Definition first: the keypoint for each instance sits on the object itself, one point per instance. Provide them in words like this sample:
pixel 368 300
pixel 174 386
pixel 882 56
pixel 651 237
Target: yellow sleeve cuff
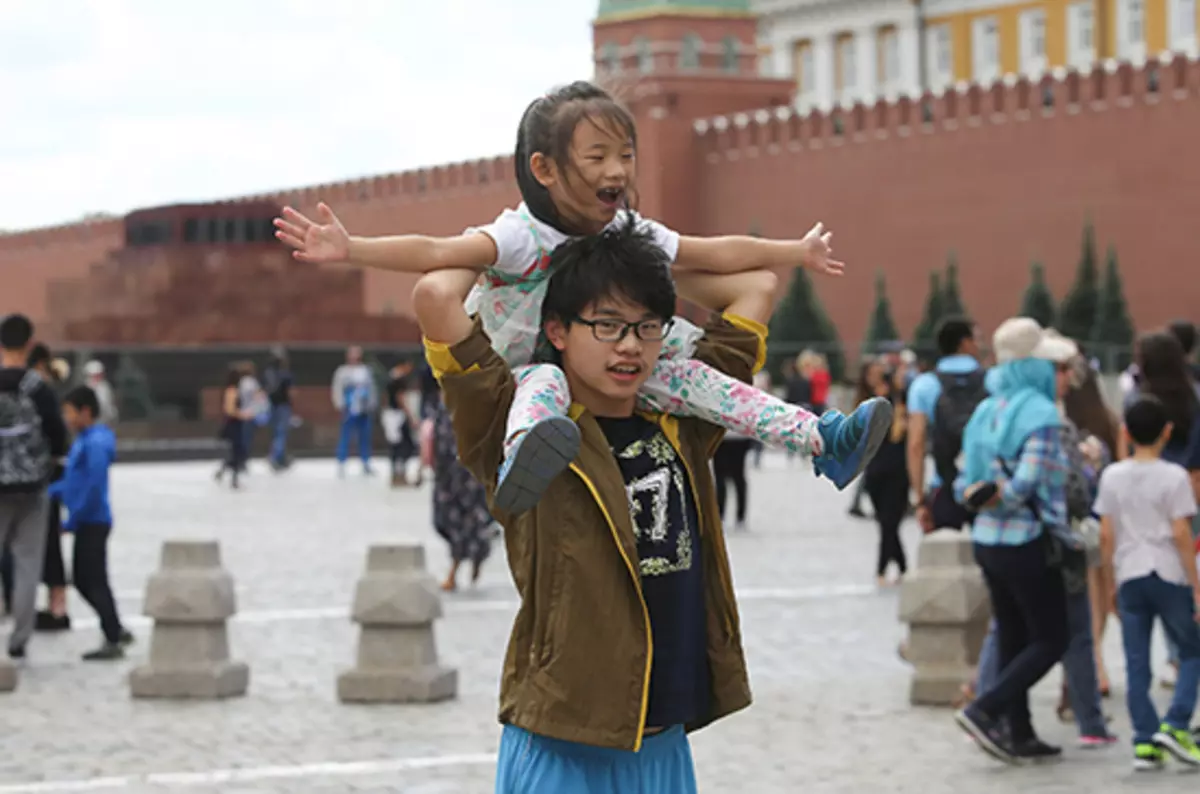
pixel 756 328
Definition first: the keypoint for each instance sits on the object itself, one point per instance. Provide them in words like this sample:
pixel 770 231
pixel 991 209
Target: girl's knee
pixel 436 290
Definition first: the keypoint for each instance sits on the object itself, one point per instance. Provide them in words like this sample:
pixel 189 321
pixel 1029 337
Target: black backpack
pixel 961 394
pixel 24 452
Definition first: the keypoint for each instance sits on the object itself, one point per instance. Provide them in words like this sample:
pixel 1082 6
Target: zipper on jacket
pixel 637 583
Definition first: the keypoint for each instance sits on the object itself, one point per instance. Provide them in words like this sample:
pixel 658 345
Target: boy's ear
pixel 556 333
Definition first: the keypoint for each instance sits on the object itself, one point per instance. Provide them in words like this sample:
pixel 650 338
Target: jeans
pixel 1030 607
pixel 1079 668
pixel 281 425
pixel 989 660
pixel 1140 602
pixel 359 425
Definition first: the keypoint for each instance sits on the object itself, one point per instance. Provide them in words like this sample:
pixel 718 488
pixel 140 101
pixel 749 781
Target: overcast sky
pixel 110 105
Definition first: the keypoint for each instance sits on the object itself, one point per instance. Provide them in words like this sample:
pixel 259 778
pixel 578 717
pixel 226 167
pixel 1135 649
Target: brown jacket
pixel 578 661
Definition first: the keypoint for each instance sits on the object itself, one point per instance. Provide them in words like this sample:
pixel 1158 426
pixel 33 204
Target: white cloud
pixel 117 104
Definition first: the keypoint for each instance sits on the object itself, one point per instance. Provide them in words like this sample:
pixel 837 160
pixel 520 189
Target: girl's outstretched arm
pixel 326 240
pixel 738 254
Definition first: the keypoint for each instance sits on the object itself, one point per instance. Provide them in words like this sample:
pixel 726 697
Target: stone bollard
pixel 945 604
pixel 190 599
pixel 396 603
pixel 8 675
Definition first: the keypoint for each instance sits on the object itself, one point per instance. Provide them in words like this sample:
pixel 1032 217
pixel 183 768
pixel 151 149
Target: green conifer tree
pixel 1038 301
pixel 924 337
pixel 1077 314
pixel 882 327
pixel 801 321
pixel 952 303
pixel 1112 331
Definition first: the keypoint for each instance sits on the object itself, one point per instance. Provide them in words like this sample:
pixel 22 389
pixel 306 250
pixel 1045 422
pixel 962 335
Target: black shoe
pixel 16 652
pixel 856 512
pixel 988 733
pixel 1036 751
pixel 106 652
pixel 126 638
pixel 48 621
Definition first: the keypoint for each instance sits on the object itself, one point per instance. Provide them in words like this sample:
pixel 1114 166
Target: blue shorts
pixel 532 764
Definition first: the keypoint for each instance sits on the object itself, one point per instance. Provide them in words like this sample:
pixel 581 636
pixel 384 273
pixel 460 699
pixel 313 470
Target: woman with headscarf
pixel 1015 477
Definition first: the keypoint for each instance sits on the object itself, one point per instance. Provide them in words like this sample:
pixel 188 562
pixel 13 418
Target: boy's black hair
pixel 15 332
pixel 952 332
pixel 548 126
pixel 1185 332
pixel 1145 419
pixel 38 354
pixel 621 262
pixel 82 397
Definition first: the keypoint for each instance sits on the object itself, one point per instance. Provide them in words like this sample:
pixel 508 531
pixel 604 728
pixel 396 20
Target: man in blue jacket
pixel 83 490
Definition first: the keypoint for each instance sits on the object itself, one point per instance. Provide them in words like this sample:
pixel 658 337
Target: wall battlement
pixel 1106 87
pixel 85 231
pixel 439 181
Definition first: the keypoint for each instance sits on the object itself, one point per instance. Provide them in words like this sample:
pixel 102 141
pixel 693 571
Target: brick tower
pixel 672 62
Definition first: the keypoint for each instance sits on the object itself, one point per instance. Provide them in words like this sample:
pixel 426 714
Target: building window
pixel 1131 29
pixel 689 58
pixel 1081 34
pixel 191 230
pixel 611 58
pixel 939 56
pixel 214 231
pixel 888 59
pixel 1183 25
pixel 803 66
pixel 645 57
pixel 846 76
pixel 730 55
pixel 985 46
pixel 1033 42
pixel 250 226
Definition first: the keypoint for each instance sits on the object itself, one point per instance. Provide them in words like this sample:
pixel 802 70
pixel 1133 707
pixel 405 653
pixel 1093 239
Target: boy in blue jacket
pixel 83 490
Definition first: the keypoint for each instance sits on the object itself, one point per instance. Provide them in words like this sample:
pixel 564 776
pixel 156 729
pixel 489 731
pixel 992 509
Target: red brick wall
pixel 994 177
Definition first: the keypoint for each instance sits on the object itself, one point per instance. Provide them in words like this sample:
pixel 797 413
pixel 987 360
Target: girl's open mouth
pixel 611 196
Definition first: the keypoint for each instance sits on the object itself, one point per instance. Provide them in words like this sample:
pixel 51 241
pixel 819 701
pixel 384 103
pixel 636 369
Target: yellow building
pixel 981 40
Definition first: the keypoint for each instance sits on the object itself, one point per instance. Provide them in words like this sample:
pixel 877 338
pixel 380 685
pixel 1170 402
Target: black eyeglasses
pixel 615 330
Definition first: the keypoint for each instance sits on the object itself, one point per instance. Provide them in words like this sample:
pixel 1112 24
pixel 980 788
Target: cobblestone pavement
pixel 830 711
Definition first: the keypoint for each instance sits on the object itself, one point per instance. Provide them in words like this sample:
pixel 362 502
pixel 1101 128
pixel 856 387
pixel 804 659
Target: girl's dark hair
pixel 233 376
pixel 1165 375
pixel 1087 410
pixel 548 126
pixel 865 390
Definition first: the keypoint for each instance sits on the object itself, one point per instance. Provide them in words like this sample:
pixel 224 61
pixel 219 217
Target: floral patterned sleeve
pixel 1079 487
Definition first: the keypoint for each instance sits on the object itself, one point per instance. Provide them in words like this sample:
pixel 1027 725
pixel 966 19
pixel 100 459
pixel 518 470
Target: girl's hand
pixel 327 241
pixel 817 254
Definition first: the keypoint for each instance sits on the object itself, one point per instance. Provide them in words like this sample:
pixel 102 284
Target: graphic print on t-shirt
pixel 666 523
pixel 657 506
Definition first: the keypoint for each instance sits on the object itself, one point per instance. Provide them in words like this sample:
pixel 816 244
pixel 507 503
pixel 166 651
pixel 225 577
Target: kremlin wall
pixel 1002 175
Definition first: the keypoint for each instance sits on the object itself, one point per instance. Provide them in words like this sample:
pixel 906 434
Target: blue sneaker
pixel 539 456
pixel 851 441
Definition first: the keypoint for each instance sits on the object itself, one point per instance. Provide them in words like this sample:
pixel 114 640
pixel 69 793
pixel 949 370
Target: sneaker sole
pixel 1177 751
pixel 543 454
pixel 981 739
pixel 877 430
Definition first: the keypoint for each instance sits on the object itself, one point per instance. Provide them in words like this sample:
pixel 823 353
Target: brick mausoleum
pixel 1001 174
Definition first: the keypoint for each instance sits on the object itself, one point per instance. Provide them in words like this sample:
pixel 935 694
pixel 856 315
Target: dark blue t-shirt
pixel 666 523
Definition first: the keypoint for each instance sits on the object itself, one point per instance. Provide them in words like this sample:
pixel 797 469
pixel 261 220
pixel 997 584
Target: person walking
pixel 32 438
pixel 1015 477
pixel 729 467
pixel 356 397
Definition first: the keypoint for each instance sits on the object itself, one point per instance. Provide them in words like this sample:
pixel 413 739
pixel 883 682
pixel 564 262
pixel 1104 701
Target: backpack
pixel 961 394
pixel 24 452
